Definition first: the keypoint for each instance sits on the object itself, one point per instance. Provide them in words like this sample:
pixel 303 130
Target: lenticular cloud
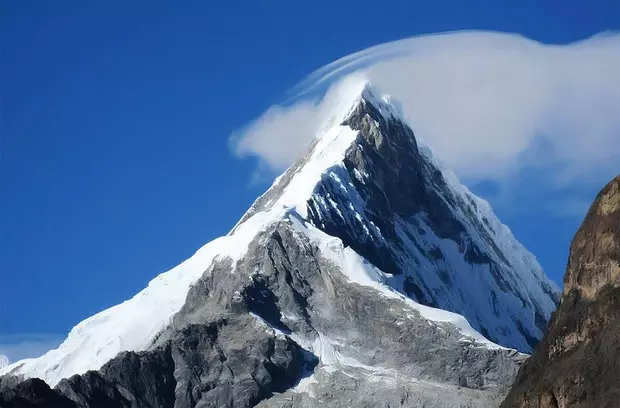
pixel 488 103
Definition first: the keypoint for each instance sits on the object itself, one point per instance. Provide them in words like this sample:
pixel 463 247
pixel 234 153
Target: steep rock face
pixel 31 393
pixel 576 364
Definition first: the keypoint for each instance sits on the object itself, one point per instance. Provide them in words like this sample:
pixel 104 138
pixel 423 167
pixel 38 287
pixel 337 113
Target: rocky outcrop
pixel 31 393
pixel 576 364
pixel 231 362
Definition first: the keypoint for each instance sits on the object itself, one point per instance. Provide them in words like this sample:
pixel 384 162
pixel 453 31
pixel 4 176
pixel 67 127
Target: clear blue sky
pixel 115 164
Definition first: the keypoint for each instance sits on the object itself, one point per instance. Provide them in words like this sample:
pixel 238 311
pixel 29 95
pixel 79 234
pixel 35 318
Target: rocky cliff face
pixel 576 364
pixel 336 289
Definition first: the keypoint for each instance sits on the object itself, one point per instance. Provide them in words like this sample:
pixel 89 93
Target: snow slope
pixel 134 324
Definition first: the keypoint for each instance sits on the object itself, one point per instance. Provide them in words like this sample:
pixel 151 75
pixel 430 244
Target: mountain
pixel 366 275
pixel 576 363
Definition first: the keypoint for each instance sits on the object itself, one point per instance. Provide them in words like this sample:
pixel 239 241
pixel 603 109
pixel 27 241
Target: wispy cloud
pixel 484 101
pixel 19 346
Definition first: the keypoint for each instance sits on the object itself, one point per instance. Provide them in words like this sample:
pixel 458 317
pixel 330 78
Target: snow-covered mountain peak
pixel 345 96
pixel 351 105
pixel 366 181
pixel 387 106
pixel 366 203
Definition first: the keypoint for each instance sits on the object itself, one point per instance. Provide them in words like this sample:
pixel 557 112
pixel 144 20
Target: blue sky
pixel 115 155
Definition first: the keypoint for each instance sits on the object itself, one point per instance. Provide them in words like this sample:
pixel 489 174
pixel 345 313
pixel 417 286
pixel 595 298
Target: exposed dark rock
pixel 209 365
pixel 576 364
pixel 31 393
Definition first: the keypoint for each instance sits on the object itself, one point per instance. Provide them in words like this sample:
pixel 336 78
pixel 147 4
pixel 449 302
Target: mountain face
pixel 339 287
pixel 394 204
pixel 576 363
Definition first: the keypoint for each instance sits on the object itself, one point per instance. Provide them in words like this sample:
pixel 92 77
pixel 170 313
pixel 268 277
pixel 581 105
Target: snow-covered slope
pixel 134 324
pixel 391 217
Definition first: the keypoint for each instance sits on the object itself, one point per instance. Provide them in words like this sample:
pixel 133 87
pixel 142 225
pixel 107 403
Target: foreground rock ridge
pixel 365 276
pixel 576 364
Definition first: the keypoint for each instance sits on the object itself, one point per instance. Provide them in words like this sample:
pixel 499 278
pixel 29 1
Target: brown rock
pixel 577 363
